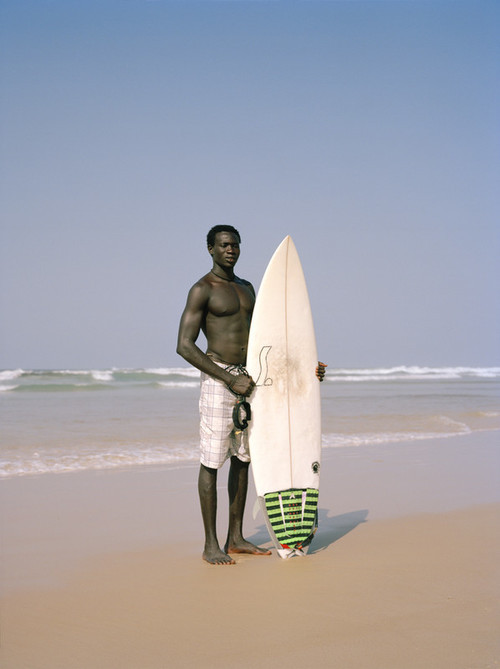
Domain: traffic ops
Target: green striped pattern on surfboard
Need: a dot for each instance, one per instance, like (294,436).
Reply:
(292,514)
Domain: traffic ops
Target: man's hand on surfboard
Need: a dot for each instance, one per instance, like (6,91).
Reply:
(320,370)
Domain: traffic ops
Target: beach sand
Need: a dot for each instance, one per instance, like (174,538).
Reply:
(104,569)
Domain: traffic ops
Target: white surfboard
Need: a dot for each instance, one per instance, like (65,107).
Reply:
(285,428)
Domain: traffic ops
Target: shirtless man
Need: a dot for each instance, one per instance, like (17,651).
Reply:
(220,304)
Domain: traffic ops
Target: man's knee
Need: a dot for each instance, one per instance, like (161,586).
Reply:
(211,471)
(239,464)
(207,477)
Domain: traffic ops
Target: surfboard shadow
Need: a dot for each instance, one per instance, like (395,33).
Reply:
(331,529)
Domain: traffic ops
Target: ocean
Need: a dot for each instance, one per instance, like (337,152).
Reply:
(71,420)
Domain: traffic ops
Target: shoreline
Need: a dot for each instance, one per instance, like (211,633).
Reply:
(72,513)
(103,569)
(328,451)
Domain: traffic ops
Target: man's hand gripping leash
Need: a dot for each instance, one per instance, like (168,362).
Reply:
(242,412)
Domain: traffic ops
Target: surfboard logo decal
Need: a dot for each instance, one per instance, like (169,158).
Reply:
(315,467)
(263,379)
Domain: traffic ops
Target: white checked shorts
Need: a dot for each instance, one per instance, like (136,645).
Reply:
(219,438)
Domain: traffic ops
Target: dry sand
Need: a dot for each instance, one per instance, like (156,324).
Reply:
(103,570)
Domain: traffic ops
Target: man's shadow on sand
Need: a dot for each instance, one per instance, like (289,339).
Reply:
(330,529)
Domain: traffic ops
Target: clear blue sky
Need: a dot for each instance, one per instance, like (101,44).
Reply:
(366,130)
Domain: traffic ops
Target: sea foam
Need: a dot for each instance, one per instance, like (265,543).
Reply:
(404,373)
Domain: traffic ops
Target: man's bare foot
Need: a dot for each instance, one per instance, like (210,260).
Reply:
(244,546)
(217,557)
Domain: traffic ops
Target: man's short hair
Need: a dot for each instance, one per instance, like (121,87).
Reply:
(221,228)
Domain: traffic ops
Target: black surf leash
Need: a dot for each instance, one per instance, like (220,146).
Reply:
(242,412)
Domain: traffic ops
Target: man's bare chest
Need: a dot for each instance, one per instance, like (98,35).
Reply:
(230,299)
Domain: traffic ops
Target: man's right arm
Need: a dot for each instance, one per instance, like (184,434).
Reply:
(189,330)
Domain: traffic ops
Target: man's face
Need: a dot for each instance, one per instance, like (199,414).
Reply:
(226,249)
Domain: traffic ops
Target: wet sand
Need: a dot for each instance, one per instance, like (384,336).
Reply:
(104,569)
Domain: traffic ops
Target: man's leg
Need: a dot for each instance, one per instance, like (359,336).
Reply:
(237,488)
(207,489)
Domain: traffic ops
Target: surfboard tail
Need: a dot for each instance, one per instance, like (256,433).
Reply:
(291,519)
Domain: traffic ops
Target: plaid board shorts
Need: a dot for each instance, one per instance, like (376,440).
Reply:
(219,438)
